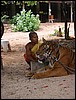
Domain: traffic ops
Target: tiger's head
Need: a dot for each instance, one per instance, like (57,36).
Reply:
(48,51)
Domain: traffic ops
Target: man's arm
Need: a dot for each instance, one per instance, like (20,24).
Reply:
(31,56)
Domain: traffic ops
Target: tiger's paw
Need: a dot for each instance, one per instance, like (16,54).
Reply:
(35,76)
(30,74)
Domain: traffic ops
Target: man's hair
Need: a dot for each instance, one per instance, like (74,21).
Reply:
(31,34)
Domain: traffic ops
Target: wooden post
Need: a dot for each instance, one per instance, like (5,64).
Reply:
(49,11)
(68,32)
(65,16)
(66,29)
(71,12)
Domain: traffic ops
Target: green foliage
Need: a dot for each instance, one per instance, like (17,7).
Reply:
(31,3)
(57,33)
(4,17)
(25,21)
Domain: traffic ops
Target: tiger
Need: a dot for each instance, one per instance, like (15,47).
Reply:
(61,60)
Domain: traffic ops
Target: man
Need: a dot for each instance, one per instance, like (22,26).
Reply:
(31,48)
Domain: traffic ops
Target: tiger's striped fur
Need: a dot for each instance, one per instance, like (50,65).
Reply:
(66,56)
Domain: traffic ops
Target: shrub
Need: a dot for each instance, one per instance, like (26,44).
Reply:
(4,18)
(25,21)
(57,33)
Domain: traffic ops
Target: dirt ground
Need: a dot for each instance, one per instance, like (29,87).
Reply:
(15,84)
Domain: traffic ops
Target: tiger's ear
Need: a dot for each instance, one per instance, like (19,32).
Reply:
(44,41)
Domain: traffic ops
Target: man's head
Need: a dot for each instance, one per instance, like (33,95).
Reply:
(33,37)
